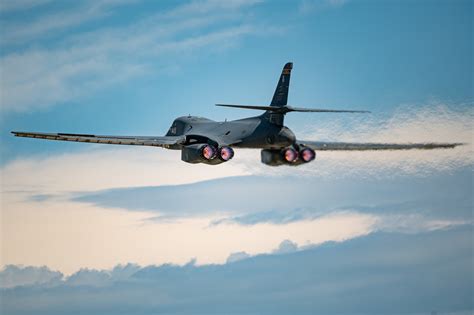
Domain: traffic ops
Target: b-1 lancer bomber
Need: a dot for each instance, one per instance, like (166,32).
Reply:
(202,140)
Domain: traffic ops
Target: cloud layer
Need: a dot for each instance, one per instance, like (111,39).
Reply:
(369,275)
(252,199)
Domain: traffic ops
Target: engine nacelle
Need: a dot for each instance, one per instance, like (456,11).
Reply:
(206,153)
(272,157)
(287,156)
(200,153)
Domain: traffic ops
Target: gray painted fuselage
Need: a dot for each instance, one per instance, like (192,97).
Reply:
(252,132)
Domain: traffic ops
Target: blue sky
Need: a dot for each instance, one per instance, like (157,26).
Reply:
(138,222)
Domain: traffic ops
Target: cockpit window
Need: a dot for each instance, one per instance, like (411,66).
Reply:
(173,129)
(176,128)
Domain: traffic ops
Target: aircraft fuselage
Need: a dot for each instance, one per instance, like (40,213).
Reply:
(252,132)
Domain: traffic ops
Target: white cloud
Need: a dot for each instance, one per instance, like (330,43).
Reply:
(16,275)
(89,277)
(415,223)
(233,257)
(98,278)
(13,276)
(104,168)
(286,247)
(67,236)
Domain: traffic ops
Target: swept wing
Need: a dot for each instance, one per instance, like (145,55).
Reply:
(124,140)
(348,146)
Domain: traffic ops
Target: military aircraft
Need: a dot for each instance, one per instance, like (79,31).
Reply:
(203,140)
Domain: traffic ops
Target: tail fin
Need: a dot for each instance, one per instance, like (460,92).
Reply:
(280,97)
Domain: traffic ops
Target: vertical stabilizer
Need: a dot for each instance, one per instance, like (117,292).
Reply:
(280,97)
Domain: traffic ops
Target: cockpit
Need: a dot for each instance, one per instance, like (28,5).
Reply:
(177,128)
(184,124)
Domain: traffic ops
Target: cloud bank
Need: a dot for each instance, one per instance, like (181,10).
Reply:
(370,275)
(250,200)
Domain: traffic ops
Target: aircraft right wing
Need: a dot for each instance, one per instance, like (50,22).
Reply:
(124,140)
(347,146)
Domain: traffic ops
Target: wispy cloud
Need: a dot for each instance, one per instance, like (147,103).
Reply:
(69,172)
(58,22)
(206,6)
(12,6)
(81,63)
(310,6)
(416,222)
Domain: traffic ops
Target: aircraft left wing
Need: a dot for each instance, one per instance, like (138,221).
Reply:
(347,146)
(124,140)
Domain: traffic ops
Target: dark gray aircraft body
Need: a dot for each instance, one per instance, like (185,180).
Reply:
(202,140)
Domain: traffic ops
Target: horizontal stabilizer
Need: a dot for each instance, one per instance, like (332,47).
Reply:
(286,109)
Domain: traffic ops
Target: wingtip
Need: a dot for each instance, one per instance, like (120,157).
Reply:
(446,145)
